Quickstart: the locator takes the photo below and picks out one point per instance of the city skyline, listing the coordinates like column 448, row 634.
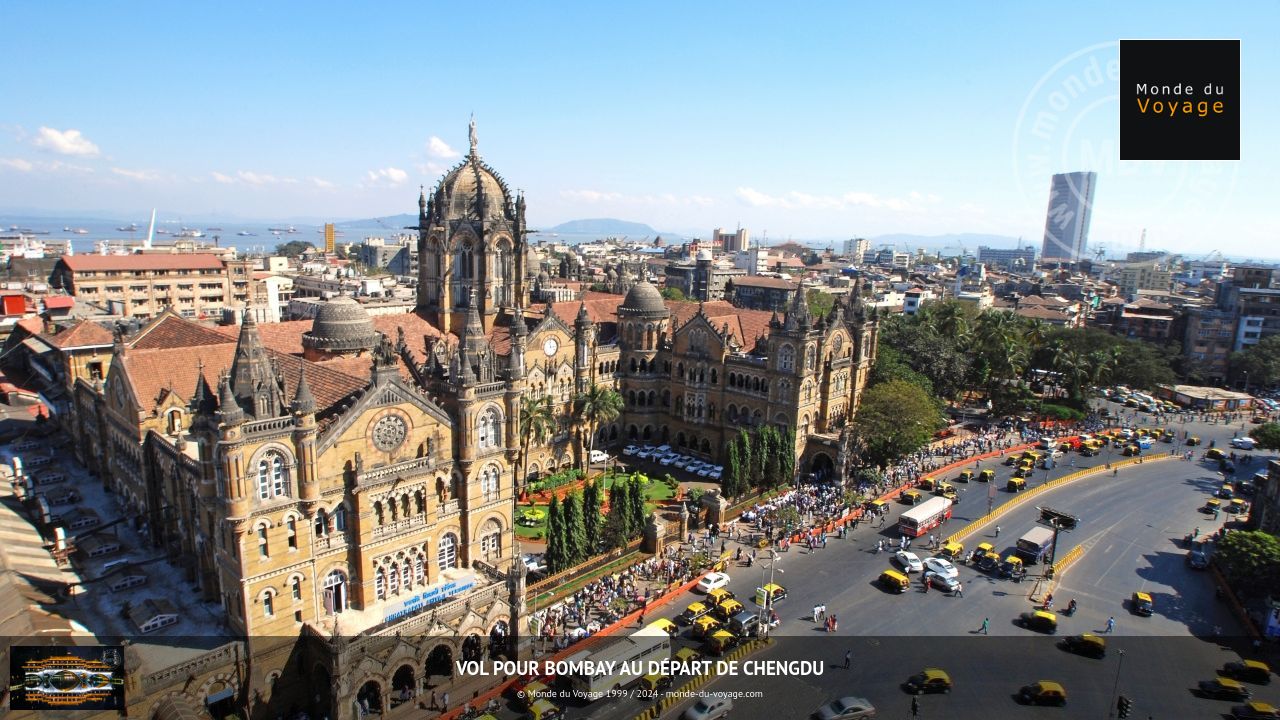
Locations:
column 836, row 123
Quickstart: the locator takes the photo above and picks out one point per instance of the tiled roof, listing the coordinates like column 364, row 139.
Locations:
column 169, row 330
column 762, row 281
column 149, row 261
column 1040, row 312
column 59, row 302
column 153, row 371
column 285, row 337
column 82, row 334
column 744, row 325
column 601, row 308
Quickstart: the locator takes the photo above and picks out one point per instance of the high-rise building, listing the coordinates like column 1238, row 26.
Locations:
column 1020, row 258
column 1066, row 225
column 731, row 242
column 856, row 248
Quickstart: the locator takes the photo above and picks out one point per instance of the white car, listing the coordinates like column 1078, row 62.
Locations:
column 709, row 708
column 1243, row 443
column 630, row 450
column 846, row 708
column 909, row 561
column 664, row 449
column 680, row 461
column 941, row 566
column 706, row 471
column 644, row 454
column 713, row 581
column 599, row 456
column 715, row 474
column 695, row 466
column 668, row 459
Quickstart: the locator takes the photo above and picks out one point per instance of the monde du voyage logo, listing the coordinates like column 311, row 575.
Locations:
column 1179, row 99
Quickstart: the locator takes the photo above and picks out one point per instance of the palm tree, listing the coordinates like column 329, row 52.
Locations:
column 537, row 423
column 949, row 319
column 597, row 405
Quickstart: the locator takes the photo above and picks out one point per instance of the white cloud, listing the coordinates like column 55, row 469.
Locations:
column 259, row 179
column 390, row 175
column 322, row 184
column 796, row 200
column 136, row 174
column 16, row 164
column 438, row 148
column 65, row 142
column 224, row 179
column 590, row 196
column 617, row 198
column 431, row 169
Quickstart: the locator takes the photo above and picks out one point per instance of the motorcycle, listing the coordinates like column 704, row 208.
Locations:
column 1071, row 609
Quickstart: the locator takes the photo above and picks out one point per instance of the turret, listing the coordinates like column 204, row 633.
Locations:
column 229, row 412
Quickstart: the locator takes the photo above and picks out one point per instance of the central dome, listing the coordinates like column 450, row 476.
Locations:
column 469, row 179
column 644, row 297
column 341, row 326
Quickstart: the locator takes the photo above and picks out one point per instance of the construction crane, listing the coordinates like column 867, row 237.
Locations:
column 1100, row 253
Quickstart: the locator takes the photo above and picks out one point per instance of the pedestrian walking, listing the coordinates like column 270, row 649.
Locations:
column 848, row 658
column 1111, row 624
column 816, row 610
column 959, row 590
column 444, row 702
column 997, row 531
column 986, row 626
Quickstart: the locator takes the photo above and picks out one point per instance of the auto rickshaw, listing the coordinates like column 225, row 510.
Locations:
column 720, row 642
column 728, row 609
column 964, row 476
column 703, row 626
column 695, row 611
column 1087, row 644
column 654, row 683
column 1212, row 506
column 926, row 484
column 912, row 497
column 1238, row 507
column 544, row 710
column 1012, row 567
column 666, row 626
column 1015, row 485
column 987, row 475
column 952, row 550
column 1225, row 491
column 770, row 594
column 717, row 596
column 1142, row 604
column 1193, row 441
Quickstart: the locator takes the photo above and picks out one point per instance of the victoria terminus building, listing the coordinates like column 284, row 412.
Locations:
column 340, row 491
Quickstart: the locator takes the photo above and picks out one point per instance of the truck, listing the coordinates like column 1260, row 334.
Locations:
column 1035, row 544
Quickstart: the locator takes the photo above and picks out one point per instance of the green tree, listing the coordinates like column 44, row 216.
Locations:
column 820, row 303
column 787, row 457
column 635, row 508
column 773, row 458
column 537, row 423
column 746, row 457
column 730, row 480
column 592, row 521
column 575, row 529
column 673, row 293
column 617, row 529
column 293, row 248
column 596, row 406
column 557, row 559
column 1250, row 561
column 1258, row 363
column 895, row 419
column 889, row 365
column 1267, row 435
column 759, row 455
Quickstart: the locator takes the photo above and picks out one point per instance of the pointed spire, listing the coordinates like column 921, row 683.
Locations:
column 254, row 379
column 798, row 317
column 229, row 411
column 583, row 318
column 474, row 326
column 518, row 327
column 203, row 399
column 422, row 201
column 304, row 403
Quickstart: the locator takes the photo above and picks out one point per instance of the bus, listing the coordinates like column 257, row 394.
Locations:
column 645, row 644
column 924, row 517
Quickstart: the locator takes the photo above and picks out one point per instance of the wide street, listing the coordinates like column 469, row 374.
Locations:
column 1131, row 529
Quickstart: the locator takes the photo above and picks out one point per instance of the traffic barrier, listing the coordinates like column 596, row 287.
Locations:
column 683, row 692
column 1025, row 496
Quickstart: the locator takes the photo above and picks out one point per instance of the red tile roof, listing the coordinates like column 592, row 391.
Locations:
column 59, row 302
column 82, row 334
column 149, row 261
column 170, row 330
column 744, row 325
column 762, row 281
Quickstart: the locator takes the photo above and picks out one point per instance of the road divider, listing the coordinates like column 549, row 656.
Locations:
column 685, row 691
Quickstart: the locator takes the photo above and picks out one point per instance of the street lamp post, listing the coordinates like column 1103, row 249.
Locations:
column 1115, row 689
column 767, row 605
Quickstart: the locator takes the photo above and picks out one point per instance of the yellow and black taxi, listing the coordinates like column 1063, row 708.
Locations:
column 894, row 581
column 1224, row 491
column 1211, row 506
column 544, row 710
column 929, row 680
column 876, row 507
column 1044, row 692
column 717, row 596
column 1214, row 454
column 1131, row 450
column 1041, row 621
column 687, row 655
column 1237, row 506
column 532, row 692
column 728, row 609
column 911, row 497
column 1016, row 483
column 1012, row 460
column 695, row 611
column 703, row 626
column 926, row 484
column 987, row 475
column 989, row 561
column 770, row 594
column 666, row 626
column 1255, row 711
column 948, row 491
column 1221, row 688
column 720, row 642
column 654, row 683
column 1086, row 644
column 1142, row 604
column 964, row 476
column 951, row 550
column 1193, row 441
column 1253, row 671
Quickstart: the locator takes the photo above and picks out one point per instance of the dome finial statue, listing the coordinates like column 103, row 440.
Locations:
column 471, row 134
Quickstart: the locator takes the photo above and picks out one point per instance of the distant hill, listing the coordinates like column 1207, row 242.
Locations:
column 602, row 226
column 394, row 221
column 970, row 241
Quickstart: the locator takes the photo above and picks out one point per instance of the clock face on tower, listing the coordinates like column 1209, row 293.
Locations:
column 550, row 346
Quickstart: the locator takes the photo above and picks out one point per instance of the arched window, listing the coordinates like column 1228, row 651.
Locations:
column 263, row 549
column 296, row 586
column 175, row 421
column 491, row 540
column 393, row 580
column 273, row 481
column 713, row 376
column 335, row 591
column 447, row 553
column 466, row 268
column 380, row 584
column 489, row 483
column 810, row 357
column 322, row 523
column 419, row 570
column 406, row 573
column 489, row 429
column 269, row 603
column 291, row 531
column 786, row 358
column 340, row 518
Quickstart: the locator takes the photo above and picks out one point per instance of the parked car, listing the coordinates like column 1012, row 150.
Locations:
column 630, row 450
column 599, row 456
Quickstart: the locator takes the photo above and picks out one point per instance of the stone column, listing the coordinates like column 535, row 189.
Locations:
column 654, row 532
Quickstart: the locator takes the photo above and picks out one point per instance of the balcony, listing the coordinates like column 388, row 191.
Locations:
column 392, row 529
column 406, row 469
column 448, row 509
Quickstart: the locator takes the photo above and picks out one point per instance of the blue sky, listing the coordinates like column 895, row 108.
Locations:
column 804, row 121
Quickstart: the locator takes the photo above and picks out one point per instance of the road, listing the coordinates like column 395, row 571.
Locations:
column 1131, row 528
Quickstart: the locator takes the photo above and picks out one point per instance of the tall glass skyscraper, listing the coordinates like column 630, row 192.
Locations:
column 1066, row 226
